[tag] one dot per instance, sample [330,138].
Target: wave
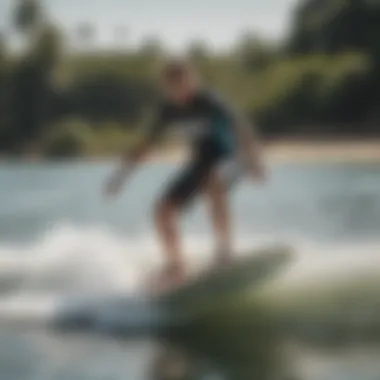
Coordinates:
[91,277]
[73,274]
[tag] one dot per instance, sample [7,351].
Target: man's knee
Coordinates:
[215,186]
[165,212]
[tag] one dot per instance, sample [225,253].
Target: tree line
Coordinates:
[322,81]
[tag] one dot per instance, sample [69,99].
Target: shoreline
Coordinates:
[365,151]
[299,151]
[334,151]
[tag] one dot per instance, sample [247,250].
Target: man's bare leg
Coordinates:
[167,228]
[220,216]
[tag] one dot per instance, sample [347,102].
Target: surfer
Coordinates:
[215,134]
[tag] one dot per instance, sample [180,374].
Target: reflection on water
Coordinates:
[318,330]
[233,353]
[42,355]
[241,352]
[173,363]
[227,342]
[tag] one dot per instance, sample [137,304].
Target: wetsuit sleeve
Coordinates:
[226,111]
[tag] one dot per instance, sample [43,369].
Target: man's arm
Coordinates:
[153,131]
[129,160]
[250,146]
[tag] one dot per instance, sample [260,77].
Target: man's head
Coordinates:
[179,80]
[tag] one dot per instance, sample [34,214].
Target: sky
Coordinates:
[175,22]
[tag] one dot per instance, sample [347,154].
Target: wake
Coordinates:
[90,279]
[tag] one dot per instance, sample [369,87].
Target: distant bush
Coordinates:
[325,80]
[112,138]
[312,89]
[73,138]
[68,139]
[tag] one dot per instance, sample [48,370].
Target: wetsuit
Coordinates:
[208,124]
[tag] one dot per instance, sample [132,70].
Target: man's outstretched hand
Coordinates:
[258,173]
[114,184]
[128,164]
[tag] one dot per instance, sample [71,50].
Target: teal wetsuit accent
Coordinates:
[223,136]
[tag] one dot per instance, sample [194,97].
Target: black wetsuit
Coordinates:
[208,124]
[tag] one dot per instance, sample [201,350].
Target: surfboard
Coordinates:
[136,316]
[249,270]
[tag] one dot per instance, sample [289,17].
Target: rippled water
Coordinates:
[60,239]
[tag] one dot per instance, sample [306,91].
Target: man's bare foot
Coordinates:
[223,259]
[170,277]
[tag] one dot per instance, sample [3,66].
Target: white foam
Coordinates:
[76,261]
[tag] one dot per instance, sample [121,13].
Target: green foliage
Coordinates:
[27,16]
[198,52]
[75,138]
[47,46]
[68,139]
[324,81]
[3,48]
[254,53]
[117,65]
[306,90]
[111,138]
[335,26]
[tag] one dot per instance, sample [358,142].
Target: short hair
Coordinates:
[175,69]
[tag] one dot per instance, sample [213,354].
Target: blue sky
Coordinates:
[175,22]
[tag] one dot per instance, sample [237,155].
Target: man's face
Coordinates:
[180,87]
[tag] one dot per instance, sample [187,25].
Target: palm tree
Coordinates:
[253,52]
[198,51]
[48,46]
[2,47]
[27,16]
[85,33]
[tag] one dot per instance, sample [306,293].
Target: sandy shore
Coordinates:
[293,152]
[278,152]
[366,151]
